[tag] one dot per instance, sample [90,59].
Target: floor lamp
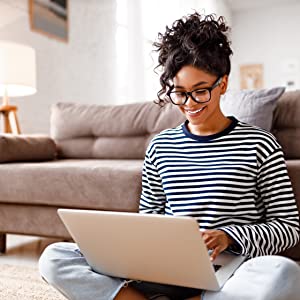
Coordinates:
[17,78]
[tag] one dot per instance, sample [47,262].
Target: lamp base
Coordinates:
[11,123]
[5,100]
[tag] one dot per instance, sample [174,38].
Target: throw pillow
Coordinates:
[255,107]
[26,148]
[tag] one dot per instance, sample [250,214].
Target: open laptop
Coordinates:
[148,247]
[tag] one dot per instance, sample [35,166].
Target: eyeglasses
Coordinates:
[199,95]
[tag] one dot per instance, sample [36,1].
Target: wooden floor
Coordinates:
[24,250]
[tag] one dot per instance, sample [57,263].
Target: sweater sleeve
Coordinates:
[153,197]
[280,228]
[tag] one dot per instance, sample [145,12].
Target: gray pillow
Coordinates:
[255,107]
[26,148]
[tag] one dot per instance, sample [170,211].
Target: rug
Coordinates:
[24,283]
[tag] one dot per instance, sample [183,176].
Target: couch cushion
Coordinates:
[103,147]
[26,148]
[293,166]
[74,183]
[286,124]
[115,131]
[72,120]
[255,107]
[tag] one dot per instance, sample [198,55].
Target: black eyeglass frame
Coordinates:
[190,94]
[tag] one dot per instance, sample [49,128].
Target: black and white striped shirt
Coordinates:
[235,181]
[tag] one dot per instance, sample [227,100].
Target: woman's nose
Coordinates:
[190,101]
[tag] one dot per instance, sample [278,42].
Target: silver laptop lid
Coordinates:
[155,248]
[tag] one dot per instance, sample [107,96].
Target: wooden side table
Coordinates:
[11,124]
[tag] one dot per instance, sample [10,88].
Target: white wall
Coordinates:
[81,70]
[222,8]
[268,36]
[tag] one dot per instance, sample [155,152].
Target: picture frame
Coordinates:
[50,17]
[251,76]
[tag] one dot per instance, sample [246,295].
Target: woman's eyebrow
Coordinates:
[195,85]
[200,83]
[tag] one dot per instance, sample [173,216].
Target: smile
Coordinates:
[193,112]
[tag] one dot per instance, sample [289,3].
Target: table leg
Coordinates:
[7,127]
[13,123]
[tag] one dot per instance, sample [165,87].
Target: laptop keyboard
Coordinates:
[217,267]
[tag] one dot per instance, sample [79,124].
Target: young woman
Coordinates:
[230,176]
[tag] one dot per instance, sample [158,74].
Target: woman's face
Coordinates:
[189,79]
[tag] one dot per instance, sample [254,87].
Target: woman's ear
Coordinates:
[224,84]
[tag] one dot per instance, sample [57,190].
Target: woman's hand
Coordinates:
[217,241]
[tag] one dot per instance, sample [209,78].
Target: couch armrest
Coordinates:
[26,148]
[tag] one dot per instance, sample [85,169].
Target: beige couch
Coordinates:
[101,151]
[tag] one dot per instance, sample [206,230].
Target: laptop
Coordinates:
[148,247]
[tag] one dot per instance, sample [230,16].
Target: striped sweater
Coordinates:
[235,181]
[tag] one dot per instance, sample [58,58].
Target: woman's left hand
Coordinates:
[217,241]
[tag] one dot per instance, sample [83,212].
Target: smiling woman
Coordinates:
[224,173]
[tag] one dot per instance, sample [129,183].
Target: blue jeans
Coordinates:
[262,278]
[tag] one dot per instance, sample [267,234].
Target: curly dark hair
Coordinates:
[197,40]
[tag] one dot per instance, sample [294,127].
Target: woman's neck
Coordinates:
[208,129]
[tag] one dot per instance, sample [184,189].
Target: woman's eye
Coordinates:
[200,92]
[179,94]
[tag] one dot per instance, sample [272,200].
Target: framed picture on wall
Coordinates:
[251,76]
[49,17]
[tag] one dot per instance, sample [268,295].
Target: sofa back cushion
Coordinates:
[109,131]
[286,123]
[124,131]
[255,107]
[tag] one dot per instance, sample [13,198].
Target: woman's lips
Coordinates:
[194,112]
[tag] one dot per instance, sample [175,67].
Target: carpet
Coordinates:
[24,283]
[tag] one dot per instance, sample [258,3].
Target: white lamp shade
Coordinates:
[17,69]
